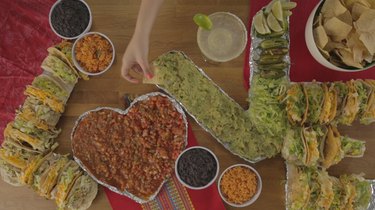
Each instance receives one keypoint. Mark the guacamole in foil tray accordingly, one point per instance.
(211, 107)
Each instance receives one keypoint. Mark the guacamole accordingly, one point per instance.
(212, 108)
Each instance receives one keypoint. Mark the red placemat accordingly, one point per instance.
(25, 37)
(303, 65)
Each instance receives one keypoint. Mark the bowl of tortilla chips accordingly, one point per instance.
(340, 34)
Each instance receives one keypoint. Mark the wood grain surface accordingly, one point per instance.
(174, 30)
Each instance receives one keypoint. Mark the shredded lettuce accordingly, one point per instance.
(49, 86)
(353, 147)
(266, 112)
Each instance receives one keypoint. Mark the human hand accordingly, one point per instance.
(135, 59)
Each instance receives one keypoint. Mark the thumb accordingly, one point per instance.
(146, 69)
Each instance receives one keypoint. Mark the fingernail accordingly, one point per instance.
(149, 76)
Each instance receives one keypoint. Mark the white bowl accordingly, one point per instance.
(208, 184)
(75, 37)
(79, 66)
(252, 199)
(311, 45)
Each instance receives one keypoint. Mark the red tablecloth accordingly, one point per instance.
(303, 65)
(25, 37)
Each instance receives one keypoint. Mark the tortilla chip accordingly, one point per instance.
(154, 80)
(320, 37)
(349, 3)
(331, 45)
(366, 22)
(368, 40)
(357, 10)
(332, 8)
(325, 53)
(347, 57)
(357, 47)
(337, 29)
(346, 17)
(318, 21)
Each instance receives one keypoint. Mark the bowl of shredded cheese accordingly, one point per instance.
(240, 185)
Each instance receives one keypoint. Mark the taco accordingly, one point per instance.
(353, 147)
(311, 141)
(52, 87)
(364, 91)
(66, 181)
(315, 97)
(297, 104)
(331, 150)
(294, 148)
(329, 108)
(27, 140)
(363, 191)
(351, 107)
(38, 113)
(27, 176)
(81, 195)
(45, 177)
(338, 194)
(349, 192)
(15, 154)
(321, 190)
(46, 98)
(60, 69)
(298, 188)
(28, 127)
(63, 51)
(368, 115)
(10, 174)
(342, 94)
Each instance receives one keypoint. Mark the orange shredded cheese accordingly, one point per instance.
(238, 184)
(94, 53)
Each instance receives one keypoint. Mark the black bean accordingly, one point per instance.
(197, 167)
(70, 18)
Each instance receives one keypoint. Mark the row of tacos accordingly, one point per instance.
(319, 146)
(26, 155)
(337, 102)
(309, 188)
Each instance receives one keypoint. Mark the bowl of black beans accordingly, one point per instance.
(197, 167)
(70, 19)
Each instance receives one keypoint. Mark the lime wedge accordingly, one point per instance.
(259, 23)
(277, 10)
(273, 23)
(203, 21)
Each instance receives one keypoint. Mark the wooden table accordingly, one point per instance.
(174, 30)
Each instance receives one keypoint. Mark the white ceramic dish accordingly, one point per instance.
(79, 66)
(253, 199)
(75, 37)
(187, 185)
(314, 51)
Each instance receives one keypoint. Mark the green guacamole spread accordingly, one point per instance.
(216, 111)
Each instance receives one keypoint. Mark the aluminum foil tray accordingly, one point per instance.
(136, 100)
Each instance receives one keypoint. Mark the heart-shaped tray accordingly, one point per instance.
(102, 181)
